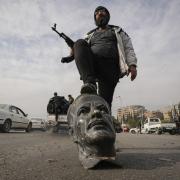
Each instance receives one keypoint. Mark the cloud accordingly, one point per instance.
(30, 51)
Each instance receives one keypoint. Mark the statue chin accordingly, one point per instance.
(90, 154)
(98, 145)
(99, 137)
(99, 132)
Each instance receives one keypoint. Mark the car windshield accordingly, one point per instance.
(3, 106)
(154, 120)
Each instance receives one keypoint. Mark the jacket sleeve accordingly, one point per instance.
(128, 49)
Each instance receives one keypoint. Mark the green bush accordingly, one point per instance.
(133, 123)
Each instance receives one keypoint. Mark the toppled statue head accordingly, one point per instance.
(92, 129)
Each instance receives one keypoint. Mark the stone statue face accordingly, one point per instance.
(90, 119)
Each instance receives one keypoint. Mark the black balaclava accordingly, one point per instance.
(104, 19)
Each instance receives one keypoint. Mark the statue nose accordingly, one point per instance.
(96, 114)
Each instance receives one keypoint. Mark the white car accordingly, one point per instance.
(137, 131)
(134, 130)
(12, 117)
(39, 123)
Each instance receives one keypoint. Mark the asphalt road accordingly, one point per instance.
(49, 156)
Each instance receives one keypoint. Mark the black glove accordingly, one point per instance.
(67, 59)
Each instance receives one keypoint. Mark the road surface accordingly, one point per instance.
(49, 156)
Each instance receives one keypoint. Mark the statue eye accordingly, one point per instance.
(103, 109)
(83, 110)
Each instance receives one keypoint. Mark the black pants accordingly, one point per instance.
(92, 68)
(56, 116)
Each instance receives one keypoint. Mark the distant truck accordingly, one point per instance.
(171, 128)
(62, 113)
(62, 120)
(154, 125)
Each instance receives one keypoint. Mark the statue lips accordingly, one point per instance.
(99, 121)
(97, 124)
(99, 132)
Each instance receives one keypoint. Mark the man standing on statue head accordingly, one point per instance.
(104, 56)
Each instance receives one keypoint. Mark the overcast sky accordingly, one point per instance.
(30, 52)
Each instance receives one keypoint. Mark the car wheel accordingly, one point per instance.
(133, 132)
(29, 128)
(172, 132)
(159, 131)
(56, 128)
(44, 129)
(147, 131)
(6, 126)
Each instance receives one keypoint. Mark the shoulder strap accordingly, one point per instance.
(91, 31)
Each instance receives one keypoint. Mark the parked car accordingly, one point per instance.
(12, 117)
(39, 123)
(152, 125)
(169, 127)
(125, 127)
(134, 130)
(137, 130)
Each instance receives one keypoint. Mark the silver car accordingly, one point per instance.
(12, 117)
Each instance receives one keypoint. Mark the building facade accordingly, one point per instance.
(130, 112)
(138, 112)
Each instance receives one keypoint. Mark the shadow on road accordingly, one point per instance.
(139, 161)
(60, 131)
(146, 161)
(105, 165)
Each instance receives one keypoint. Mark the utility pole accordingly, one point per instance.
(141, 121)
(120, 100)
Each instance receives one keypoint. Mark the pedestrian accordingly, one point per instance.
(57, 105)
(71, 99)
(104, 56)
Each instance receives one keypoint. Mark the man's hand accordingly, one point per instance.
(133, 71)
(68, 58)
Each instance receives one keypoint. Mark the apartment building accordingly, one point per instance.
(157, 114)
(166, 114)
(130, 112)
